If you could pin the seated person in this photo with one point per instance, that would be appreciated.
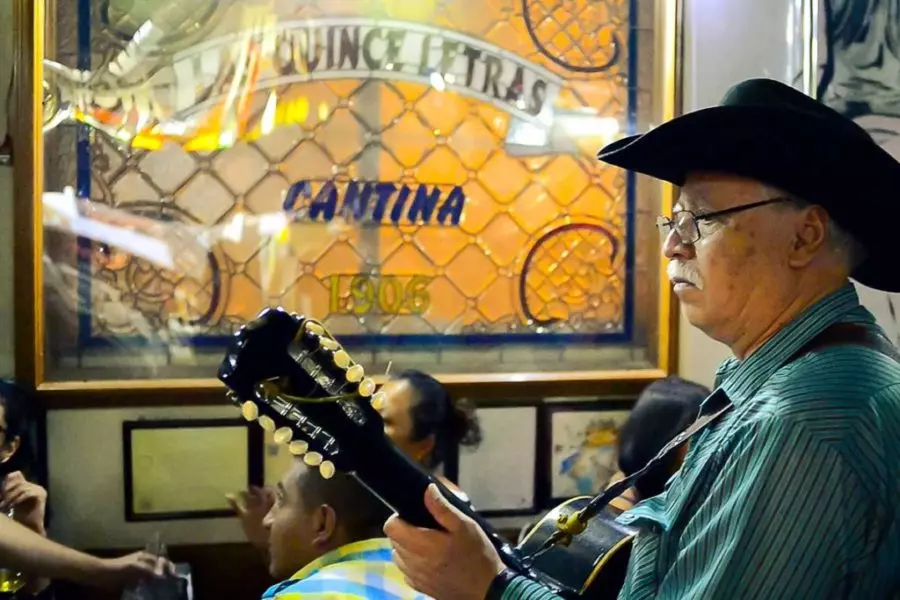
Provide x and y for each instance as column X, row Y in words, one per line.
column 326, row 541
column 23, row 544
column 425, row 422
column 663, row 410
column 24, row 550
column 20, row 496
column 421, row 419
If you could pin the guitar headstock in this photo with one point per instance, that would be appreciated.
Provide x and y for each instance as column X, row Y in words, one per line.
column 292, row 376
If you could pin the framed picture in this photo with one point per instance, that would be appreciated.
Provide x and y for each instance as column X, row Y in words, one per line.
column 499, row 475
column 421, row 177
column 581, row 441
column 182, row 469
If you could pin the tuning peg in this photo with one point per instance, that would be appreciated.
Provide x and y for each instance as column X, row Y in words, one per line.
column 312, row 459
column 298, row 447
column 341, row 359
column 232, row 397
column 266, row 423
column 249, row 410
column 283, row 435
column 328, row 343
column 378, row 400
column 326, row 469
column 355, row 373
column 314, row 328
column 366, row 387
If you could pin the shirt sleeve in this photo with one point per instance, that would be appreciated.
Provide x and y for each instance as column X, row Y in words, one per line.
column 508, row 586
column 784, row 518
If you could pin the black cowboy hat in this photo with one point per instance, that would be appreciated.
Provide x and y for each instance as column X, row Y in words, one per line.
column 768, row 131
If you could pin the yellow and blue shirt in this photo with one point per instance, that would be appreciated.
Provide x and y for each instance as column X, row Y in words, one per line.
column 358, row 571
column 794, row 494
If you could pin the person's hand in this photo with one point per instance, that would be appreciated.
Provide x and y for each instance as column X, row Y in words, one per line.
column 251, row 508
column 457, row 564
column 28, row 499
column 125, row 571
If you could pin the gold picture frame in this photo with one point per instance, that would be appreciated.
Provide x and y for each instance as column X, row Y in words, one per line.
column 33, row 37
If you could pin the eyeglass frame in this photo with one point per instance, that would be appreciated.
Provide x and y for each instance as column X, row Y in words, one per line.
column 664, row 221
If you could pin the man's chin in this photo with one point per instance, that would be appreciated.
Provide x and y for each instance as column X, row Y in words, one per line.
column 692, row 312
column 274, row 571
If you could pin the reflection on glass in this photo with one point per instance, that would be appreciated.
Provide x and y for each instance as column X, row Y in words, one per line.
column 423, row 181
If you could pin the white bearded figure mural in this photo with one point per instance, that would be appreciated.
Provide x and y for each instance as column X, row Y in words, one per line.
column 859, row 76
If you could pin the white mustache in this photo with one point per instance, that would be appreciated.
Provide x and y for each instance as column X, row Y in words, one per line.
column 677, row 271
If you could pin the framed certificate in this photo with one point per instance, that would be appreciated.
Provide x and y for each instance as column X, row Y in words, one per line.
column 499, row 475
column 183, row 469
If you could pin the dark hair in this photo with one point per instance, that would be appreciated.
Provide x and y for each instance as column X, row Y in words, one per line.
column 358, row 511
column 19, row 423
column 663, row 410
column 435, row 413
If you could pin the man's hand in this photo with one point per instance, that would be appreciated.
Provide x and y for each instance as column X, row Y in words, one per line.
column 118, row 573
column 28, row 499
column 457, row 564
column 251, row 508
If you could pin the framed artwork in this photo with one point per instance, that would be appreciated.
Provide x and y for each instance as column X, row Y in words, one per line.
column 581, row 446
column 182, row 469
column 421, row 177
column 499, row 475
column 843, row 76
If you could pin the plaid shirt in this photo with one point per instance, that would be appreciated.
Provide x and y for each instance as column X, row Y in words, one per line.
column 358, row 571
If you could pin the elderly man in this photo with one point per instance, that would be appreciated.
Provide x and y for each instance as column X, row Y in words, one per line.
column 792, row 493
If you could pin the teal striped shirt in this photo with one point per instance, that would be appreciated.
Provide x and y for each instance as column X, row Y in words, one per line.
column 793, row 493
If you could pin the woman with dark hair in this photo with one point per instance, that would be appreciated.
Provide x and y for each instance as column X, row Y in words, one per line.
column 663, row 410
column 425, row 423
column 20, row 497
column 419, row 416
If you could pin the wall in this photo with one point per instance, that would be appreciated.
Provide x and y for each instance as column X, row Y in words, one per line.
column 6, row 200
column 85, row 477
column 727, row 41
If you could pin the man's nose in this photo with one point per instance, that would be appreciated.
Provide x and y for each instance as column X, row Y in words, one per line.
column 673, row 246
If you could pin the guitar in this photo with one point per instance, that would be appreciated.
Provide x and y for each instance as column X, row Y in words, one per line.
column 292, row 377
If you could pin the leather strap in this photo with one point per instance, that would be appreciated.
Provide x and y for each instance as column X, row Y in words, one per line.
column 850, row 334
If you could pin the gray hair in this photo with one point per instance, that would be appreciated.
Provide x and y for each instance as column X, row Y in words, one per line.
column 840, row 241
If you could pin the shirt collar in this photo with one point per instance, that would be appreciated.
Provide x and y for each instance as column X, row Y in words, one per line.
column 742, row 379
column 374, row 549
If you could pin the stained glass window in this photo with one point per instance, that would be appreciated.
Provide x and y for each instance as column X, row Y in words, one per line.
column 420, row 176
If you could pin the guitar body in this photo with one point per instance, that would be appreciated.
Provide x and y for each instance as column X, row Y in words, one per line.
column 593, row 565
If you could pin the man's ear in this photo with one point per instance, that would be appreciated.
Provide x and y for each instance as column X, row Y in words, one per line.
column 810, row 235
column 324, row 525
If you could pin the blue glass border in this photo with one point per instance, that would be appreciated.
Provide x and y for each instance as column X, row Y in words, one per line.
column 83, row 183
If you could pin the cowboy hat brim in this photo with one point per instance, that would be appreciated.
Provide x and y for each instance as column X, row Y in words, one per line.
column 835, row 165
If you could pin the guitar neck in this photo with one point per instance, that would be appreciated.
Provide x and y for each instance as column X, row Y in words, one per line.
column 401, row 484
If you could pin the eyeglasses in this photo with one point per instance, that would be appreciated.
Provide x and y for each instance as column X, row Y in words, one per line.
column 684, row 222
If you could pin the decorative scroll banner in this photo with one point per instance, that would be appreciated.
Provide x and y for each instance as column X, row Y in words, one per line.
column 199, row 97
column 318, row 49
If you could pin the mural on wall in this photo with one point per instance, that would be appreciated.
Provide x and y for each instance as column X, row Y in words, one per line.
column 859, row 76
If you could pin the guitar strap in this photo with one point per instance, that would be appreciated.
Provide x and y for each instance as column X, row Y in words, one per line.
column 716, row 405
